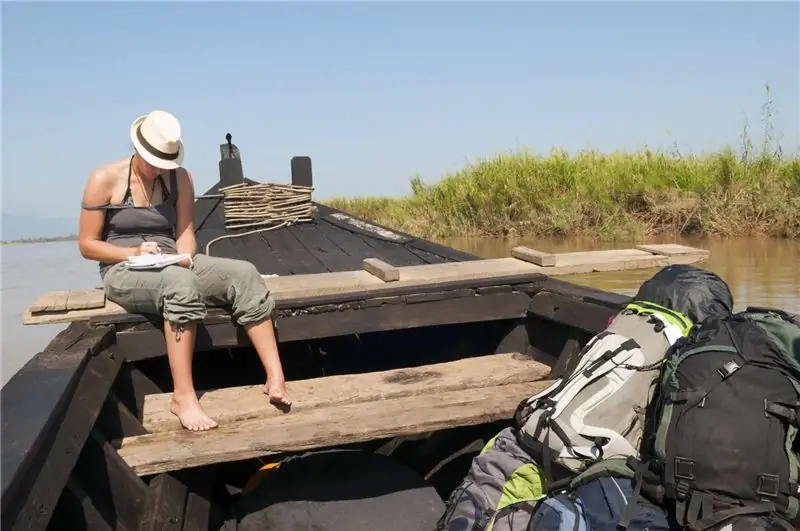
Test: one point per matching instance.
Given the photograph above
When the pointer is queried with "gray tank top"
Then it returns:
(128, 225)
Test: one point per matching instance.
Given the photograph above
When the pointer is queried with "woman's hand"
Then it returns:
(148, 248)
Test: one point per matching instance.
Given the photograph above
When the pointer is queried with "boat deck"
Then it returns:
(335, 410)
(375, 277)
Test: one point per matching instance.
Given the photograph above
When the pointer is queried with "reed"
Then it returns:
(607, 196)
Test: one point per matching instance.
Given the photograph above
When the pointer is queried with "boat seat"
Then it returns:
(376, 275)
(336, 410)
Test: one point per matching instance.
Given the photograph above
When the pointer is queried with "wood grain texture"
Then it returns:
(343, 283)
(382, 270)
(533, 256)
(325, 427)
(237, 404)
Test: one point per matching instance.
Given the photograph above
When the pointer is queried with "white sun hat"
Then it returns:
(157, 139)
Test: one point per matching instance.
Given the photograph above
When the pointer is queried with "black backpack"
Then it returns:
(719, 436)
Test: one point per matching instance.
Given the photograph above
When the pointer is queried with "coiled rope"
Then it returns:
(263, 207)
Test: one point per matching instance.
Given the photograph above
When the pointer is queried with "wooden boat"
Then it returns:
(390, 343)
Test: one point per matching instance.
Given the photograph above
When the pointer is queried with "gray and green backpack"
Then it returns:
(720, 437)
(500, 491)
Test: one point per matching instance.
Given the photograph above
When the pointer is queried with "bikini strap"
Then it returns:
(128, 195)
(173, 185)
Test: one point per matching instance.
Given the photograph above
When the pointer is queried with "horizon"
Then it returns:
(376, 93)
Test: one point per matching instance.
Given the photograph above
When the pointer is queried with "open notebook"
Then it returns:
(153, 261)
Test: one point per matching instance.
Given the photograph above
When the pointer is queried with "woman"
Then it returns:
(145, 204)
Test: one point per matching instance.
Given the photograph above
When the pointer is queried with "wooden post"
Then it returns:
(301, 171)
(382, 270)
(533, 256)
(230, 163)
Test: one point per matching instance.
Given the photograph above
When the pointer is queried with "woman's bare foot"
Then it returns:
(277, 393)
(191, 414)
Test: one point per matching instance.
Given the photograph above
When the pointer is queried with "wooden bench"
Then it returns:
(377, 276)
(336, 410)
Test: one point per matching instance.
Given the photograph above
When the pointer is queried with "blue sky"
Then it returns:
(378, 92)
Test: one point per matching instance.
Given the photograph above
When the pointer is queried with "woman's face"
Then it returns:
(145, 169)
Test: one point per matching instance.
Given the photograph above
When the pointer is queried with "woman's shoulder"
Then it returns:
(109, 174)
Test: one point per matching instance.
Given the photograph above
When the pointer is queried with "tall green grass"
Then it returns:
(618, 195)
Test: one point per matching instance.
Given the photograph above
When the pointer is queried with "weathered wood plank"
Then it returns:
(678, 254)
(382, 270)
(324, 427)
(533, 256)
(86, 300)
(243, 403)
(53, 301)
(345, 283)
(147, 340)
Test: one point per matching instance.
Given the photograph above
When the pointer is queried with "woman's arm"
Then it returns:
(98, 192)
(184, 229)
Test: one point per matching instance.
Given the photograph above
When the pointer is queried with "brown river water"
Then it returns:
(760, 272)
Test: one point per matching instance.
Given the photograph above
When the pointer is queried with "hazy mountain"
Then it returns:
(19, 226)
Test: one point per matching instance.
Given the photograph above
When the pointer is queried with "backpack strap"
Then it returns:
(783, 314)
(713, 519)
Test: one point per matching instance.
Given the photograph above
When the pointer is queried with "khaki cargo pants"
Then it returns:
(181, 294)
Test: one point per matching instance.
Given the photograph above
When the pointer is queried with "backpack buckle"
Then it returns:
(684, 468)
(768, 485)
(729, 368)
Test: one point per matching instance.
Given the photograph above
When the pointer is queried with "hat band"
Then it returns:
(152, 150)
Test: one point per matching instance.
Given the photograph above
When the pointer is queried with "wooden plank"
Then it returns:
(366, 228)
(325, 427)
(87, 299)
(53, 301)
(345, 283)
(678, 254)
(120, 495)
(324, 250)
(169, 505)
(585, 293)
(236, 404)
(28, 425)
(292, 254)
(32, 506)
(533, 256)
(571, 312)
(77, 510)
(381, 269)
(146, 341)
(200, 507)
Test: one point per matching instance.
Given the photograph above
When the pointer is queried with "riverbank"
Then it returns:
(607, 196)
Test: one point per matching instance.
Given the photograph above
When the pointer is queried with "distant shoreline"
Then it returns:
(49, 239)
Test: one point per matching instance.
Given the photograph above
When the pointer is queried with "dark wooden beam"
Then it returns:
(76, 511)
(29, 426)
(41, 483)
(121, 496)
(170, 496)
(147, 340)
(591, 317)
(584, 293)
(131, 387)
(530, 282)
(117, 421)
